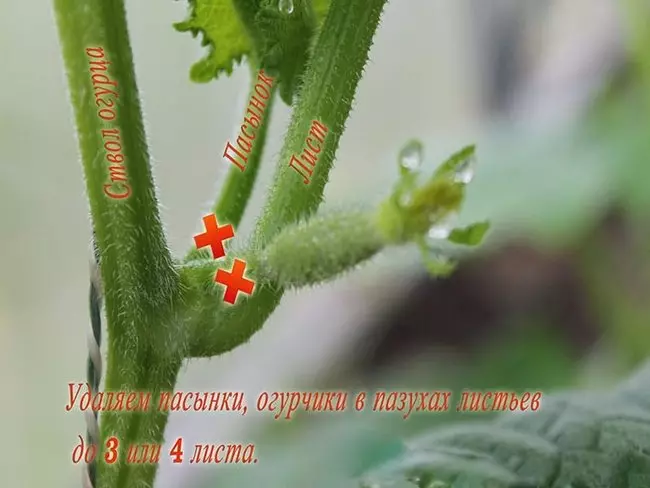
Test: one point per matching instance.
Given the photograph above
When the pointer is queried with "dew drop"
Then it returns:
(465, 171)
(285, 6)
(410, 156)
(442, 229)
(439, 231)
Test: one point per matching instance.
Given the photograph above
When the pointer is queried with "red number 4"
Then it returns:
(177, 451)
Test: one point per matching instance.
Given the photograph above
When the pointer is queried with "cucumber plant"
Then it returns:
(162, 309)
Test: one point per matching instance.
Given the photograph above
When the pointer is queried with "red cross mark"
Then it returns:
(234, 281)
(214, 236)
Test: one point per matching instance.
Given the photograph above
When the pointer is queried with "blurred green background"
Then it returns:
(558, 109)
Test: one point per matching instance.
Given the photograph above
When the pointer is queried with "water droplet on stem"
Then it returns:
(464, 172)
(442, 229)
(285, 6)
(410, 156)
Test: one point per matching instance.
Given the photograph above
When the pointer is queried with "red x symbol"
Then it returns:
(234, 281)
(214, 236)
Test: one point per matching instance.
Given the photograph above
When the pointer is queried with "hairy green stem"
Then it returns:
(141, 286)
(302, 254)
(321, 249)
(238, 186)
(330, 82)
